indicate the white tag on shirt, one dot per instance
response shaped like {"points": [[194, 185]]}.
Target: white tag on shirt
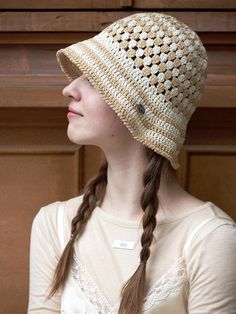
{"points": [[122, 244]]}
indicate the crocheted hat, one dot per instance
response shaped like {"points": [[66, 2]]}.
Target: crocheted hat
{"points": [[151, 69]]}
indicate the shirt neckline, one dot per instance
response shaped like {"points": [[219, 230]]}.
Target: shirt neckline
{"points": [[137, 223]]}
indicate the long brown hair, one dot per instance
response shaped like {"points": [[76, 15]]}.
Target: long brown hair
{"points": [[133, 291]]}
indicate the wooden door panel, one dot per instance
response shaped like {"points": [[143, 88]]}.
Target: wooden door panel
{"points": [[92, 21], [213, 174], [33, 176], [118, 4]]}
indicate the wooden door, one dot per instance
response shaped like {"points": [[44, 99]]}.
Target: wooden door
{"points": [[38, 163]]}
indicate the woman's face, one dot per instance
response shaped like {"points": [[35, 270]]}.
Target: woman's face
{"points": [[99, 125]]}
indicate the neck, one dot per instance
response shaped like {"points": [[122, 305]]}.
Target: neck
{"points": [[125, 186]]}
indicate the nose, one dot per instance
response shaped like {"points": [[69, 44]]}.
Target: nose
{"points": [[72, 89], [67, 91]]}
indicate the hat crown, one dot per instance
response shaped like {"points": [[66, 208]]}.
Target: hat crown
{"points": [[168, 53]]}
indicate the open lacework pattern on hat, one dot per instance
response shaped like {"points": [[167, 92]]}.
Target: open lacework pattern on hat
{"points": [[167, 52], [169, 284]]}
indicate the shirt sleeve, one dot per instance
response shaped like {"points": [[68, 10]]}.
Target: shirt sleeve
{"points": [[213, 275], [44, 256]]}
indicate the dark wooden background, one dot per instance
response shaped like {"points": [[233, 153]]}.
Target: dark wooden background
{"points": [[38, 163]]}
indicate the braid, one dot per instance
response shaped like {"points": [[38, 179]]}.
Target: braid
{"points": [[151, 182], [94, 191], [133, 291], [92, 194]]}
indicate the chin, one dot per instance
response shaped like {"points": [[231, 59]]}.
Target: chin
{"points": [[75, 138]]}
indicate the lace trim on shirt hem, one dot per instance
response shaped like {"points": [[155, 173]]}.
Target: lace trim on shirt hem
{"points": [[168, 284], [90, 289]]}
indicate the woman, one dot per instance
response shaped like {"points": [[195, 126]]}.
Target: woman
{"points": [[134, 241]]}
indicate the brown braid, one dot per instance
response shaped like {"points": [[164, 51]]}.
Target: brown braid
{"points": [[93, 192], [133, 291]]}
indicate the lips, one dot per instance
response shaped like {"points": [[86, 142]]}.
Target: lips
{"points": [[74, 111]]}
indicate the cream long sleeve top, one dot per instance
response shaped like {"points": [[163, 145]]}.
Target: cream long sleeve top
{"points": [[191, 268]]}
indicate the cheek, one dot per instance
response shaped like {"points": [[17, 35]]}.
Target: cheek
{"points": [[105, 119], [99, 112], [113, 126], [102, 118]]}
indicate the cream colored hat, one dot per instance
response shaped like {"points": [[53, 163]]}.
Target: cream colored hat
{"points": [[151, 69]]}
